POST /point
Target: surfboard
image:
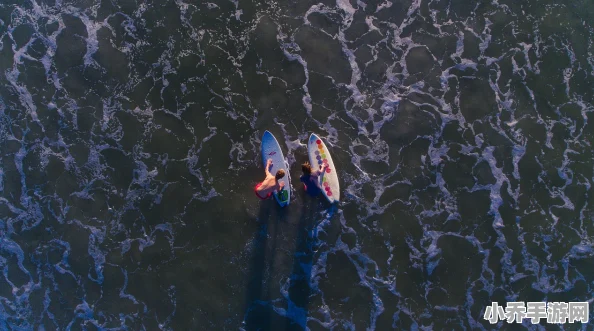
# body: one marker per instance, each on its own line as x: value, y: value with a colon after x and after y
x: 319, y: 154
x: 272, y: 150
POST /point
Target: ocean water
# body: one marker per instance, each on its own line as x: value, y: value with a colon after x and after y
x: 462, y: 132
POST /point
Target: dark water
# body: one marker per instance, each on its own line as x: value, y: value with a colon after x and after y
x: 130, y: 132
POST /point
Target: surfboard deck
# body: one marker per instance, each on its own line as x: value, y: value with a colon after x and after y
x: 272, y: 150
x: 318, y: 154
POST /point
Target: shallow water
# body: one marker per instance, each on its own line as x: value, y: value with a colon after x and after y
x: 130, y: 134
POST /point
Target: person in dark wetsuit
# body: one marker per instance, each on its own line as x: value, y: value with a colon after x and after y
x: 310, y: 179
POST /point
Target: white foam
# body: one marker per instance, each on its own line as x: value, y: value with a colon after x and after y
x: 346, y: 6
x: 385, y: 4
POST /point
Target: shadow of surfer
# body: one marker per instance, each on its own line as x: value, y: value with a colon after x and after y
x: 258, y: 310
x: 307, y: 244
x: 299, y: 284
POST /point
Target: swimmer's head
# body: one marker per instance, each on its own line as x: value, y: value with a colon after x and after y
x: 306, y: 168
x: 279, y: 174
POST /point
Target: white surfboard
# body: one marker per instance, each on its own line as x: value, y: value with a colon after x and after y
x: 318, y: 155
x: 271, y: 150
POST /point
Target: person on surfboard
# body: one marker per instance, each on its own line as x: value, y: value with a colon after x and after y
x: 270, y: 184
x: 310, y: 178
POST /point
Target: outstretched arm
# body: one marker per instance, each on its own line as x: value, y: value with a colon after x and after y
x: 268, y: 164
x: 321, y: 171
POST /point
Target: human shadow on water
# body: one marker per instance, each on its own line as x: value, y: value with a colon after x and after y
x: 258, y: 313
x: 299, y: 284
x: 260, y: 304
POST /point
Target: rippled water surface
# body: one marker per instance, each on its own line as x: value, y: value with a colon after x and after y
x: 130, y: 132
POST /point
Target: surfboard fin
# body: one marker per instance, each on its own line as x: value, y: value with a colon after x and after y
x: 283, y: 195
